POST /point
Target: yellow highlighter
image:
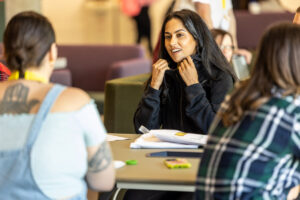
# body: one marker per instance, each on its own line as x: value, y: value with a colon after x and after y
x: 177, y: 163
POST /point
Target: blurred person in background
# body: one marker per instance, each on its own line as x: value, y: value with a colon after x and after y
x: 224, y: 41
x: 297, y: 16
x: 139, y: 11
x: 238, y: 62
x: 219, y: 14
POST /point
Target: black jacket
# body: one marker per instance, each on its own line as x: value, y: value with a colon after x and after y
x: 176, y: 106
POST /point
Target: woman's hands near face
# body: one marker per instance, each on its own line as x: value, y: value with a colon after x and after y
x: 188, y: 72
x: 158, y: 72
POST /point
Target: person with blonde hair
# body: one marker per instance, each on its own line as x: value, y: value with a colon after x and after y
x: 52, y: 141
x: 253, y: 148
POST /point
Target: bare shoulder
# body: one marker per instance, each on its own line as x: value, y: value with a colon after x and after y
x: 71, y: 99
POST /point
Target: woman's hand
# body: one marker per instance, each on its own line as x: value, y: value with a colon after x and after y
x: 188, y: 72
x: 158, y: 72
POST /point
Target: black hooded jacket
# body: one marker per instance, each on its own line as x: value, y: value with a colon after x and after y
x: 186, y: 108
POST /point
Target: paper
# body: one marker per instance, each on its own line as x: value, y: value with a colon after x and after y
x: 111, y: 138
x: 177, y: 136
x: 118, y: 164
x: 150, y: 141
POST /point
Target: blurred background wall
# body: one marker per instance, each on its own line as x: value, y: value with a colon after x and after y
x: 89, y: 21
x: 2, y: 18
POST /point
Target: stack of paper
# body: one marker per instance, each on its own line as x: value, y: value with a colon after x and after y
x: 169, y: 139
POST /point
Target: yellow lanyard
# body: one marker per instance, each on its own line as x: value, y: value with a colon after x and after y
x: 28, y: 76
x: 223, y: 4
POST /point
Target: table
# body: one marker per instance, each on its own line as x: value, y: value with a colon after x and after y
x: 150, y: 173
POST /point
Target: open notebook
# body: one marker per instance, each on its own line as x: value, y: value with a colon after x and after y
x: 168, y: 139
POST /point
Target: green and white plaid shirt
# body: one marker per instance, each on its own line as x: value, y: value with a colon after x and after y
x: 257, y: 158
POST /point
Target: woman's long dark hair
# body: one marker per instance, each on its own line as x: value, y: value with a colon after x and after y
x: 277, y: 66
x: 27, y: 38
x: 207, y: 49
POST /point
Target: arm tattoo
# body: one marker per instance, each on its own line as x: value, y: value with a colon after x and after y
x: 15, y: 100
x: 101, y: 160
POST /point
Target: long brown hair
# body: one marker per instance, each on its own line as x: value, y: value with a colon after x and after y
x: 27, y: 38
x: 277, y: 66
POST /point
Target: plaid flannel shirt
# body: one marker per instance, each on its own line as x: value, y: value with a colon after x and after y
x: 257, y: 158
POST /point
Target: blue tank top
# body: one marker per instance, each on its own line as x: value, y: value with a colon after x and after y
x: 16, y: 179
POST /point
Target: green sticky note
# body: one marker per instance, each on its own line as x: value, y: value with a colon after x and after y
x: 131, y: 162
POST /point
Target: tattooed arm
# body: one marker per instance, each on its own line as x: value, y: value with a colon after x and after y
x: 101, y: 173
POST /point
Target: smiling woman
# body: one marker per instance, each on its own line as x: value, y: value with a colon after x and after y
x: 187, y: 86
x: 178, y: 41
x: 189, y: 81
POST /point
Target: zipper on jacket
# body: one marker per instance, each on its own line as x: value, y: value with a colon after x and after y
x: 181, y: 102
x: 181, y: 117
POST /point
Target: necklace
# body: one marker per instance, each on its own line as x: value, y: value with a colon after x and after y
x: 28, y: 76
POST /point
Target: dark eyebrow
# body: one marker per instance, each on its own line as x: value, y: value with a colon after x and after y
x: 176, y: 31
